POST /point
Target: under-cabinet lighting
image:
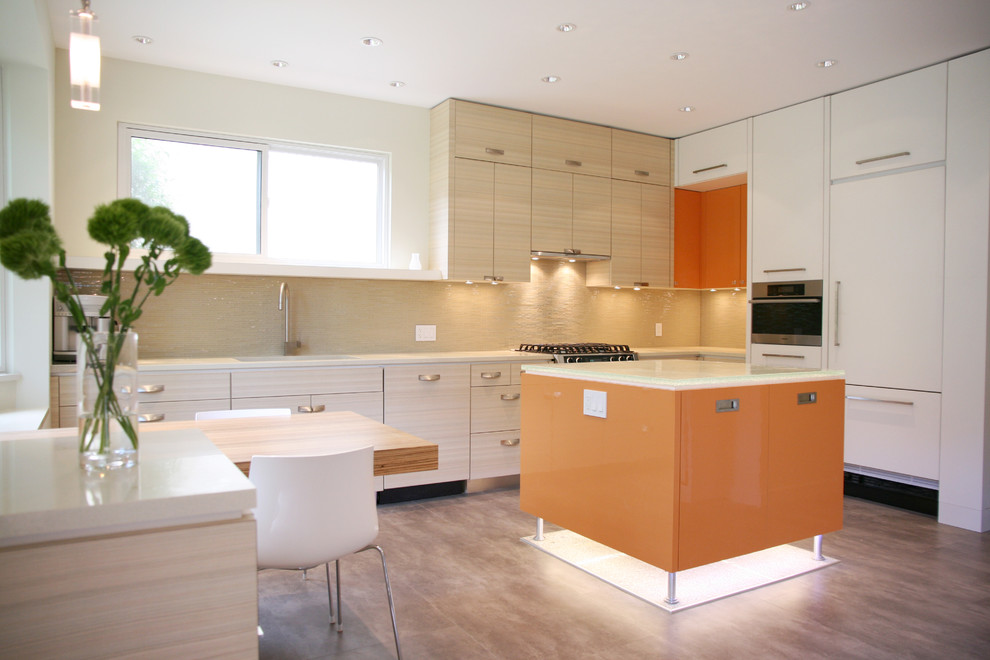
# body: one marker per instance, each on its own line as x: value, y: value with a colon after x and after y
x: 84, y: 60
x: 468, y: 282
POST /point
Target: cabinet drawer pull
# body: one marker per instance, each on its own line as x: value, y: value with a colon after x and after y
x: 509, y: 442
x: 151, y: 418
x: 510, y: 397
x: 708, y: 169
x: 784, y: 355
x: 641, y: 284
x: 429, y: 378
x: 150, y: 389
x: 866, y: 398
x: 494, y: 152
x: 311, y: 409
x: 641, y: 173
x: 888, y: 156
x: 491, y: 375
x: 726, y: 405
x: 807, y: 397
x: 784, y: 270
x: 573, y: 163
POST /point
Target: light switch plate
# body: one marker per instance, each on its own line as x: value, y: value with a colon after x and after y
x: 659, y: 329
x: 595, y: 403
x: 426, y: 333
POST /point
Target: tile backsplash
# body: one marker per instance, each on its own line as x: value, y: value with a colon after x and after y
x: 237, y: 315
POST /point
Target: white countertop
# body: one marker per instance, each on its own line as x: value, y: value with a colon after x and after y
x: 680, y: 374
x: 376, y: 359
x: 181, y: 478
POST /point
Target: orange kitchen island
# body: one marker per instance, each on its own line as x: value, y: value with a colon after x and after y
x: 681, y: 463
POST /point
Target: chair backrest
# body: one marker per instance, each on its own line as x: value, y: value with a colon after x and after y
x: 314, y: 509
x: 247, y: 412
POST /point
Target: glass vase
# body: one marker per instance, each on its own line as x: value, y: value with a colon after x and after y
x: 107, y: 387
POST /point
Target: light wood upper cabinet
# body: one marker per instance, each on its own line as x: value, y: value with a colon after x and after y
x: 641, y: 238
x: 571, y: 146
x: 571, y: 212
x: 714, y: 154
x: 490, y: 240
x: 641, y: 158
x: 890, y: 124
x: 789, y: 193
x: 484, y: 132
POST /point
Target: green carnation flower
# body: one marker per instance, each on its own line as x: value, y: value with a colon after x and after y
x: 21, y: 214
x: 29, y: 252
x: 163, y: 227
x: 114, y: 224
x: 193, y: 256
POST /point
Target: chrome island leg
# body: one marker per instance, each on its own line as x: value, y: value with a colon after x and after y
x: 671, y: 598
x: 818, y: 549
x: 539, y: 530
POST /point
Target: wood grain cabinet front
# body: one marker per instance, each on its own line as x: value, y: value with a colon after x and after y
x: 571, y: 212
x: 310, y: 390
x: 484, y: 132
x: 641, y: 158
x: 495, y: 419
x: 432, y: 401
x: 571, y: 146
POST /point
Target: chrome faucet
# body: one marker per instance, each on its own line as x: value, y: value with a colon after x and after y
x: 283, y: 304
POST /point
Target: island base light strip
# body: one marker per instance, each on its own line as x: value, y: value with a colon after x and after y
x: 84, y: 60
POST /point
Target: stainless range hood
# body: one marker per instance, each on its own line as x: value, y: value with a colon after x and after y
x: 569, y: 255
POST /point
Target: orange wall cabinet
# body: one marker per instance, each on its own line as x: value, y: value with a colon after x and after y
x: 683, y: 478
x: 710, y: 238
x: 687, y: 239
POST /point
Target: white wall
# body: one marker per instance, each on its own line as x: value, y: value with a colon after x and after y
x: 86, y: 142
x: 25, y: 73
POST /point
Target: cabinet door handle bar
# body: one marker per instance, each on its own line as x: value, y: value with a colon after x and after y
x: 491, y: 375
x: 509, y: 397
x: 494, y: 152
x: 150, y: 389
x: 429, y: 378
x: 708, y: 169
x: 726, y: 405
x: 641, y: 173
x: 783, y: 355
x: 837, y: 284
x: 311, y: 409
x: 573, y: 163
x: 509, y: 442
x: 888, y: 156
x: 151, y: 418
x: 784, y: 270
x: 866, y: 398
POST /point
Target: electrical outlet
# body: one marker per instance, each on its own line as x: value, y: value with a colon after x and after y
x: 595, y: 403
x: 659, y: 329
x: 426, y: 333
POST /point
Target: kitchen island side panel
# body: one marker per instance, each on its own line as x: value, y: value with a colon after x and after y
x: 611, y: 479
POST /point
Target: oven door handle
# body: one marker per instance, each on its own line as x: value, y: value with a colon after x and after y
x: 778, y: 301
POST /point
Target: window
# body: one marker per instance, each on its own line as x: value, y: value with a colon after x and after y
x: 264, y: 201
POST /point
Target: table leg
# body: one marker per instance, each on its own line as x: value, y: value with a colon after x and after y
x: 539, y: 530
x: 671, y: 598
x: 818, y: 549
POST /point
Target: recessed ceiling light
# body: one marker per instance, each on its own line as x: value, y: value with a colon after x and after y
x: 798, y: 6
x: 678, y: 56
x: 550, y: 79
x: 371, y: 41
x: 141, y: 39
x: 687, y: 108
x: 396, y: 83
x: 567, y: 27
x: 824, y: 64
x: 279, y: 64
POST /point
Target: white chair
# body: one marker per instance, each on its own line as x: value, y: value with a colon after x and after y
x: 314, y: 510
x: 247, y: 412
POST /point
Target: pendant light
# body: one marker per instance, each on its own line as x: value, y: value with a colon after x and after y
x: 84, y: 60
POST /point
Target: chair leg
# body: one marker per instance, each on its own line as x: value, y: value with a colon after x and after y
x: 330, y: 593
x: 340, y: 608
x: 388, y: 591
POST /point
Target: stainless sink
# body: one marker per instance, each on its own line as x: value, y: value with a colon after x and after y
x: 293, y: 358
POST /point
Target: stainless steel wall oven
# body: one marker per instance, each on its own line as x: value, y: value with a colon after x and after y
x: 787, y: 313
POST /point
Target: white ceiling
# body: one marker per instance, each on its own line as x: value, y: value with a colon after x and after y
x: 746, y: 56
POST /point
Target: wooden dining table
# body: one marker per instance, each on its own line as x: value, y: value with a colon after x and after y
x: 241, y: 438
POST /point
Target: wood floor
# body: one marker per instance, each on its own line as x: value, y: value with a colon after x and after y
x: 465, y: 587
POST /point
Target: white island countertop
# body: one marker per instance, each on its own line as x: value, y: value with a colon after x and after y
x: 181, y: 478
x: 680, y: 374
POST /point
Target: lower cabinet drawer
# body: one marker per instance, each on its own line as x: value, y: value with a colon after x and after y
x: 149, y: 413
x: 368, y: 404
x: 494, y: 454
x: 495, y: 408
x: 772, y: 355
x: 893, y: 430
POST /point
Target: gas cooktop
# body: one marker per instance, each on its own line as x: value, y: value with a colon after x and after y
x: 586, y: 352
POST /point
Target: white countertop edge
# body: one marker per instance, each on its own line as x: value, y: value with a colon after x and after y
x: 12, y: 536
x: 687, y: 384
x: 386, y: 359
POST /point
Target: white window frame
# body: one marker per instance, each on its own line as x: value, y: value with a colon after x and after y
x: 126, y: 131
